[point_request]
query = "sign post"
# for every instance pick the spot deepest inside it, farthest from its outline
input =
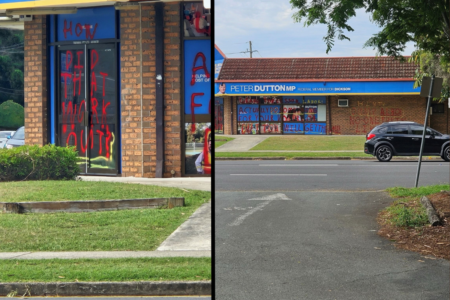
(434, 86)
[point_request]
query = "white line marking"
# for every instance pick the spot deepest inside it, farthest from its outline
(278, 196)
(278, 174)
(241, 219)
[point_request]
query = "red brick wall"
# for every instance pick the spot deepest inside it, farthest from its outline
(172, 86)
(139, 133)
(227, 115)
(365, 112)
(440, 121)
(35, 81)
(131, 120)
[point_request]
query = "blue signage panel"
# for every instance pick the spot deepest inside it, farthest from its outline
(316, 128)
(87, 24)
(197, 77)
(333, 88)
(270, 113)
(293, 128)
(248, 112)
(218, 61)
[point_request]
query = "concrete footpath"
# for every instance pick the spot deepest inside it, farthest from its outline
(191, 239)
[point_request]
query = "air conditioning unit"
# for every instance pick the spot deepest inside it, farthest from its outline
(342, 102)
(25, 18)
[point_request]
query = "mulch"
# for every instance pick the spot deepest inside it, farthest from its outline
(430, 241)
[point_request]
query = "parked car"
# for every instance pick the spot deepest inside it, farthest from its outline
(404, 139)
(4, 137)
(18, 139)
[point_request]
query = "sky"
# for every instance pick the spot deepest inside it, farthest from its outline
(269, 25)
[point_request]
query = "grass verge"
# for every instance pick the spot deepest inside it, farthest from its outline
(408, 211)
(220, 140)
(312, 143)
(128, 269)
(138, 229)
(290, 155)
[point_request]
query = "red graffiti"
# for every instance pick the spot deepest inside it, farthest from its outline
(90, 137)
(79, 30)
(193, 106)
(202, 67)
(104, 75)
(78, 67)
(94, 104)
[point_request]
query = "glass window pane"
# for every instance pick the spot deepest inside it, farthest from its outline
(321, 113)
(399, 129)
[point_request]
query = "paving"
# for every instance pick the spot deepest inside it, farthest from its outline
(241, 143)
(192, 183)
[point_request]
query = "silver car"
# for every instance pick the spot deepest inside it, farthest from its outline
(4, 136)
(18, 139)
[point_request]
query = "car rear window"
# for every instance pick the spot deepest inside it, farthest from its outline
(398, 129)
(20, 134)
(4, 134)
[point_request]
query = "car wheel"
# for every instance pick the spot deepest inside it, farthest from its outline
(446, 155)
(384, 153)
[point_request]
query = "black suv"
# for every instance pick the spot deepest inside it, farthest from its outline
(403, 139)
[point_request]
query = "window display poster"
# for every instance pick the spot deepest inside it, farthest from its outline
(270, 113)
(293, 113)
(248, 100)
(315, 100)
(271, 128)
(271, 100)
(296, 128)
(197, 78)
(311, 113)
(198, 146)
(248, 112)
(196, 20)
(293, 100)
(316, 128)
(248, 128)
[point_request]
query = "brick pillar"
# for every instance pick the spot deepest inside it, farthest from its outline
(172, 94)
(131, 122)
(35, 81)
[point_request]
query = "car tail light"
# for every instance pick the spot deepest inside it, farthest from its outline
(370, 136)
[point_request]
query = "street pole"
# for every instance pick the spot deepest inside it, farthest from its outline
(422, 143)
(250, 49)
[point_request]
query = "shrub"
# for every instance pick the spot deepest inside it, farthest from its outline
(38, 163)
(11, 115)
(408, 216)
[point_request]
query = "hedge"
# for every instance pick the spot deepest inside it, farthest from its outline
(11, 115)
(38, 163)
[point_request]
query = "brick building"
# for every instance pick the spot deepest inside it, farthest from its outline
(125, 82)
(338, 95)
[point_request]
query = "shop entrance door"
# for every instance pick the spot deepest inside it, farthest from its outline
(88, 106)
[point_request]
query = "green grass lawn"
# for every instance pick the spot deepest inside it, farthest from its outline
(290, 155)
(220, 140)
(137, 229)
(124, 269)
(398, 192)
(312, 143)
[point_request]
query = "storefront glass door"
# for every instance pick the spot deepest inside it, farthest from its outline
(87, 105)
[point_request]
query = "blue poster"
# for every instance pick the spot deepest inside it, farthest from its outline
(293, 128)
(270, 113)
(87, 24)
(248, 112)
(316, 128)
(197, 77)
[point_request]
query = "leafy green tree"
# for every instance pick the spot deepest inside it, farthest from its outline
(424, 22)
(11, 115)
(11, 66)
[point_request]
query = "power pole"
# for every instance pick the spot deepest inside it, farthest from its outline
(250, 49)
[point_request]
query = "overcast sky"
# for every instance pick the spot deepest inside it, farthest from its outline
(273, 32)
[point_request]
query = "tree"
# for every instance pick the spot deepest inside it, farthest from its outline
(11, 115)
(424, 22)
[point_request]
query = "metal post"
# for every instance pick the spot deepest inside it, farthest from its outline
(422, 143)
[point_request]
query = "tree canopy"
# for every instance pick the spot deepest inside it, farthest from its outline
(11, 66)
(424, 22)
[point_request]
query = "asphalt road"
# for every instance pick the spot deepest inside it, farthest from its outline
(114, 298)
(313, 235)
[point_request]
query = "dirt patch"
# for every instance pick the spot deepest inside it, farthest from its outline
(428, 241)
